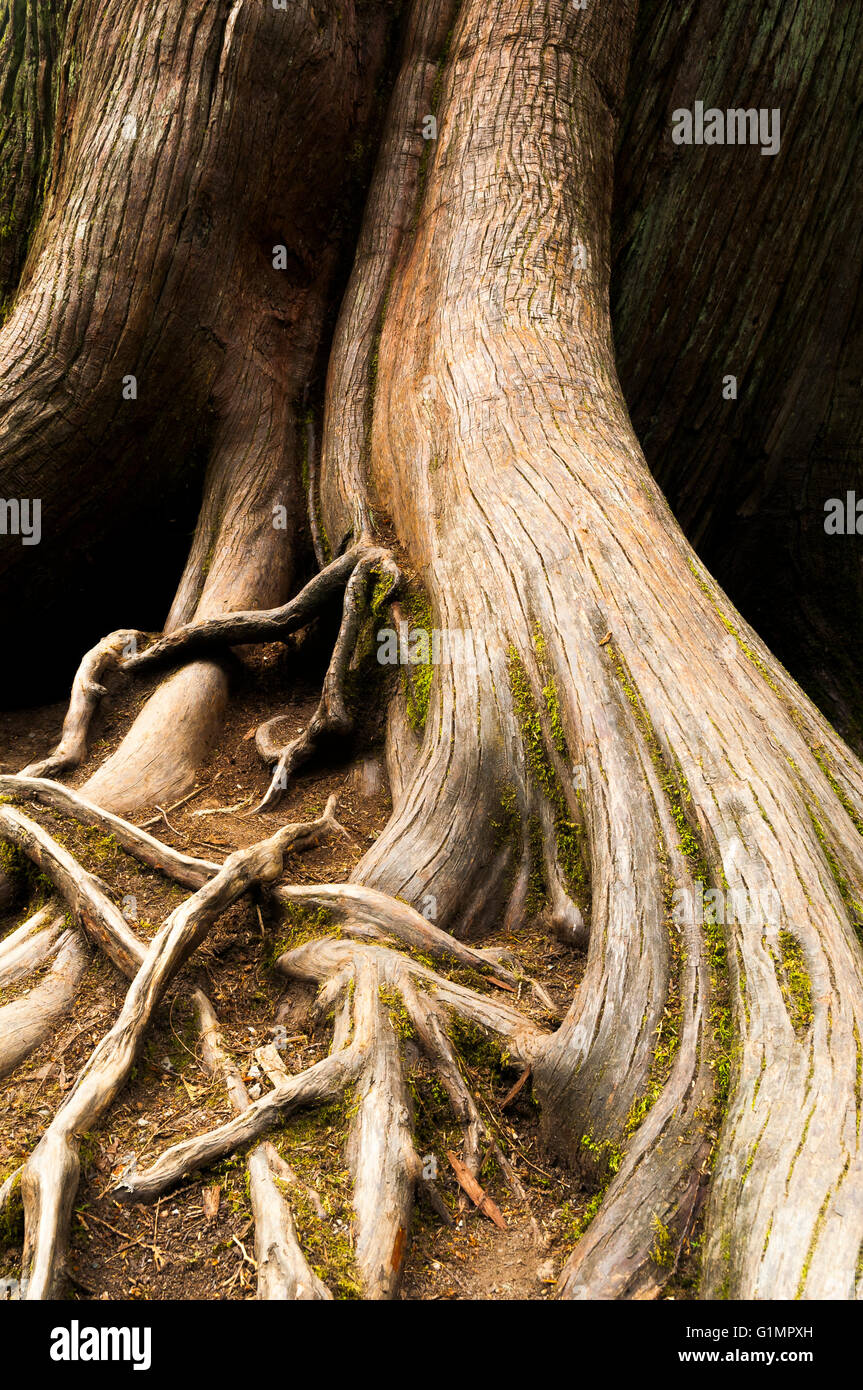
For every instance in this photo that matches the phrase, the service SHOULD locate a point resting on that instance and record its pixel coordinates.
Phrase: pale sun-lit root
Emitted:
(50, 1176)
(84, 892)
(83, 703)
(381, 1150)
(381, 1156)
(282, 1269)
(182, 868)
(31, 944)
(318, 961)
(213, 635)
(319, 1083)
(332, 718)
(362, 910)
(25, 1023)
(371, 990)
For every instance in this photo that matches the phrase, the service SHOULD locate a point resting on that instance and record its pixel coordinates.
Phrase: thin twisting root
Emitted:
(83, 703)
(283, 1272)
(332, 717)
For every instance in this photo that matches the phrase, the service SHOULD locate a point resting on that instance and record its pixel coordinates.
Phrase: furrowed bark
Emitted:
(602, 721)
(520, 495)
(30, 38)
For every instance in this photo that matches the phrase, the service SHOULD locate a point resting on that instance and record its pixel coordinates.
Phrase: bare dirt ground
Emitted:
(198, 1242)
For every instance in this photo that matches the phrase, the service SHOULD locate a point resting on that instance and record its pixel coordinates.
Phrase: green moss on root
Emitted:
(417, 678)
(569, 840)
(794, 981)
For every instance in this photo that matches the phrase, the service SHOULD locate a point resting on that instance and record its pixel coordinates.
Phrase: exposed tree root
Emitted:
(83, 703)
(28, 1021)
(321, 1082)
(83, 891)
(283, 1272)
(332, 716)
(374, 993)
(182, 868)
(364, 910)
(31, 944)
(50, 1176)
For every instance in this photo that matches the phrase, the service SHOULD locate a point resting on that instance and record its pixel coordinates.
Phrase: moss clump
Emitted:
(12, 1217)
(24, 873)
(103, 848)
(572, 1222)
(479, 1051)
(668, 1029)
(309, 1145)
(399, 1016)
(816, 1232)
(417, 678)
(384, 585)
(14, 863)
(794, 981)
(662, 1251)
(303, 924)
(605, 1155)
(507, 824)
(822, 757)
(569, 843)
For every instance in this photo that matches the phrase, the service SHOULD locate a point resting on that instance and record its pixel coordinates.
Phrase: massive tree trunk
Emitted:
(602, 716)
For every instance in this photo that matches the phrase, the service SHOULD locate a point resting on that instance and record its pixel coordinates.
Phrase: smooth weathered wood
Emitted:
(182, 868)
(25, 1023)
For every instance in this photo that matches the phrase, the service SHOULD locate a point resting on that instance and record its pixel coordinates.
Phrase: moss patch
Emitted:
(794, 981)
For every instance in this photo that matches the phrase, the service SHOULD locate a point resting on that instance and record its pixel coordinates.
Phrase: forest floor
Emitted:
(198, 1241)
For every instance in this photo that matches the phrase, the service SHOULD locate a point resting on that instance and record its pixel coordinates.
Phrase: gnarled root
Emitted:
(83, 703)
(83, 891)
(182, 868)
(28, 1021)
(373, 991)
(365, 911)
(332, 716)
(206, 636)
(31, 944)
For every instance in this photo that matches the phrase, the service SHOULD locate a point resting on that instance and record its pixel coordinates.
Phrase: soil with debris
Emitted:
(198, 1241)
